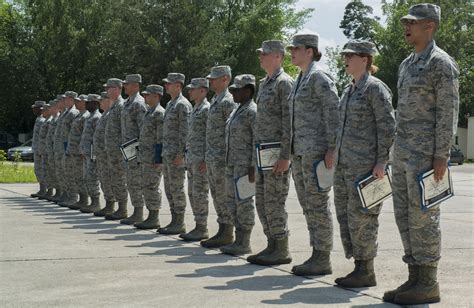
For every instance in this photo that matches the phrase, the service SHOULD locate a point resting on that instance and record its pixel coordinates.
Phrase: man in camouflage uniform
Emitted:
(134, 109)
(113, 140)
(240, 145)
(198, 184)
(273, 125)
(42, 147)
(427, 112)
(222, 105)
(51, 164)
(67, 168)
(37, 108)
(59, 148)
(149, 155)
(313, 110)
(103, 170)
(175, 130)
(91, 177)
(73, 156)
(365, 135)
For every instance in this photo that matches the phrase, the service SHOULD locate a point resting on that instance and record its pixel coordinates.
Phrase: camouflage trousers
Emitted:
(39, 168)
(420, 230)
(198, 193)
(243, 212)
(315, 203)
(134, 183)
(91, 177)
(77, 180)
(104, 175)
(272, 191)
(59, 170)
(173, 177)
(117, 172)
(216, 177)
(151, 175)
(358, 226)
(50, 170)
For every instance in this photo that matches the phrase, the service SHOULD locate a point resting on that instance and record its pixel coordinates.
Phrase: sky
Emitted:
(325, 20)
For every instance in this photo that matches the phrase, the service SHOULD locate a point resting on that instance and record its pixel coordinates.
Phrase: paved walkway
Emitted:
(52, 256)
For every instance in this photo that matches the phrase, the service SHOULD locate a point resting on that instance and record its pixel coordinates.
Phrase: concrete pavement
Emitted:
(53, 256)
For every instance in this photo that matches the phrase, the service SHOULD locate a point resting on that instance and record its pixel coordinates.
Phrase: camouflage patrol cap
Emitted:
(423, 11)
(38, 104)
(272, 46)
(45, 107)
(174, 77)
(219, 71)
(103, 95)
(82, 97)
(113, 83)
(153, 89)
(60, 97)
(133, 78)
(71, 94)
(52, 102)
(359, 47)
(93, 98)
(243, 80)
(304, 39)
(198, 83)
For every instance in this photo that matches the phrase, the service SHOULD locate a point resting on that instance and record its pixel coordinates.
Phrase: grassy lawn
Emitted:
(16, 173)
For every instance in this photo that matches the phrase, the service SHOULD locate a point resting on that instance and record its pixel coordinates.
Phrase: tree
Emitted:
(359, 22)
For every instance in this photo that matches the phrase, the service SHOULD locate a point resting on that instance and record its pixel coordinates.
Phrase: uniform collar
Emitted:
(359, 84)
(425, 53)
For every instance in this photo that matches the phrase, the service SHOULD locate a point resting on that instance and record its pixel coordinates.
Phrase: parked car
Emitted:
(7, 141)
(25, 150)
(457, 156)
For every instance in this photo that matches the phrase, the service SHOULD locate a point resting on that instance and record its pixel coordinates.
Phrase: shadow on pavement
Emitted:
(262, 283)
(224, 271)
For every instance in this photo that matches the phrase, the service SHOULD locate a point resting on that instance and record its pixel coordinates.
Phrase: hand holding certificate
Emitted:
(267, 155)
(244, 189)
(129, 149)
(432, 191)
(373, 191)
(324, 176)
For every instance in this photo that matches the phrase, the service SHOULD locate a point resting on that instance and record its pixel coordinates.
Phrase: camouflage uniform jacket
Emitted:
(50, 147)
(151, 134)
(313, 110)
(221, 107)
(88, 133)
(132, 116)
(273, 123)
(196, 140)
(99, 134)
(366, 123)
(240, 132)
(66, 123)
(42, 143)
(58, 133)
(113, 128)
(36, 131)
(75, 133)
(428, 104)
(175, 127)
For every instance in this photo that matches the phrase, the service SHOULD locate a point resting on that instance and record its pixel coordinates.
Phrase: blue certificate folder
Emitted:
(65, 146)
(324, 177)
(129, 149)
(432, 192)
(243, 188)
(158, 150)
(267, 155)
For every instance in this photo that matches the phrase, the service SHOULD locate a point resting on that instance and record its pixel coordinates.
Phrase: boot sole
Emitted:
(320, 273)
(146, 228)
(278, 262)
(427, 301)
(169, 232)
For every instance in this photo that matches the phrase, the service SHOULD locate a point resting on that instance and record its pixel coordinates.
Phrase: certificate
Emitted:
(324, 176)
(432, 192)
(129, 149)
(243, 188)
(373, 191)
(92, 154)
(267, 155)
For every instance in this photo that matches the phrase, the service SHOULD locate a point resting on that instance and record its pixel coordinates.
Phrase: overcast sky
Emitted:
(327, 16)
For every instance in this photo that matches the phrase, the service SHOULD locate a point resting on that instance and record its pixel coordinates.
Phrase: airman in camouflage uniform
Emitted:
(198, 184)
(73, 156)
(134, 109)
(273, 124)
(37, 108)
(365, 135)
(427, 112)
(113, 140)
(149, 155)
(240, 145)
(175, 130)
(52, 162)
(99, 150)
(59, 148)
(91, 177)
(67, 168)
(42, 147)
(222, 105)
(313, 109)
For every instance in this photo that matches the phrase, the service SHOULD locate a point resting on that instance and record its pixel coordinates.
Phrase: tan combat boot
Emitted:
(279, 255)
(389, 296)
(425, 291)
(362, 276)
(107, 210)
(120, 213)
(152, 221)
(175, 227)
(224, 236)
(318, 264)
(199, 233)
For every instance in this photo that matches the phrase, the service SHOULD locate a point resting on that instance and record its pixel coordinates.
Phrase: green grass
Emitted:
(16, 173)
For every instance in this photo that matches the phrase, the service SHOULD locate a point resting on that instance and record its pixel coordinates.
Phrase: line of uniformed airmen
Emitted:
(77, 147)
